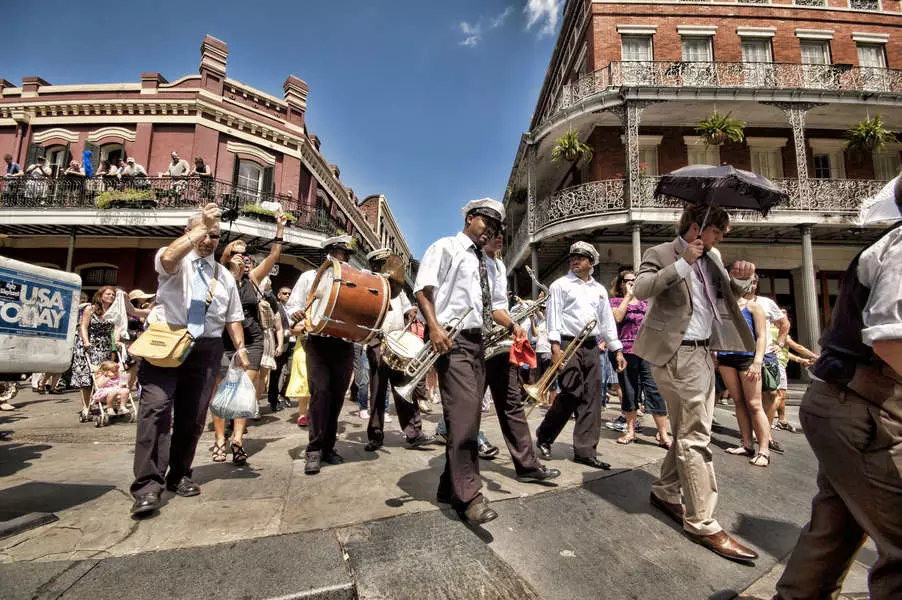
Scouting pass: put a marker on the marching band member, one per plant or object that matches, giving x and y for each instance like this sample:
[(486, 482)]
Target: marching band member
[(576, 299), (452, 278), (330, 362), (382, 377), (507, 393)]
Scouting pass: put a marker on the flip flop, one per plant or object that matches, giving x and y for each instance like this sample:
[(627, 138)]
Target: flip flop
[(740, 451), (626, 439)]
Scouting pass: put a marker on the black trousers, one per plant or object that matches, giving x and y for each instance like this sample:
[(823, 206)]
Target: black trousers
[(580, 384), (503, 378), (275, 377), (381, 376), (461, 377), (330, 365), (173, 399)]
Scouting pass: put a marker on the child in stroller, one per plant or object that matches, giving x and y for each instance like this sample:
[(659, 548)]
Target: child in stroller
[(110, 387)]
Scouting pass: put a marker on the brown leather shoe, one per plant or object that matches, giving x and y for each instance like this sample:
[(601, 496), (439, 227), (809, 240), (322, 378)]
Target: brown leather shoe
[(721, 543), (479, 511), (674, 511)]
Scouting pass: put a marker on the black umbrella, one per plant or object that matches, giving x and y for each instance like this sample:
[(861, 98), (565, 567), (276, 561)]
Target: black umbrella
[(725, 186)]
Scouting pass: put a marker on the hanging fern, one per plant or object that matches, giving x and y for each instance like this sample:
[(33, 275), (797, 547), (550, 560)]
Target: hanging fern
[(869, 135), (719, 128), (569, 148)]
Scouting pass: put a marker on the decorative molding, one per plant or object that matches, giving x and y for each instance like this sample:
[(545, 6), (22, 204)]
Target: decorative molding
[(756, 31), (769, 143), (121, 132), (870, 38), (646, 141), (815, 34), (827, 144), (56, 132), (693, 140), (241, 148), (696, 29), (634, 29)]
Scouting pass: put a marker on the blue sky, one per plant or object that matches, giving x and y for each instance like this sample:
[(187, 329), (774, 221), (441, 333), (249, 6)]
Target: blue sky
[(421, 100)]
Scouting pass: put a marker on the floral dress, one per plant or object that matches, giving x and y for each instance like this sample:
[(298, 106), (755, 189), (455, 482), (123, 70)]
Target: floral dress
[(100, 334)]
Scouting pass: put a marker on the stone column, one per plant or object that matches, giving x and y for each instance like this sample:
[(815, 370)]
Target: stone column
[(811, 328), (637, 246), (534, 252), (71, 253)]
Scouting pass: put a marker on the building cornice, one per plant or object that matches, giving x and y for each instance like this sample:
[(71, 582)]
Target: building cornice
[(56, 132), (121, 132), (251, 150)]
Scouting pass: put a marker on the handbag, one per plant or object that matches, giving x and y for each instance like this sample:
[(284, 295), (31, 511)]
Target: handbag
[(165, 345), (770, 377)]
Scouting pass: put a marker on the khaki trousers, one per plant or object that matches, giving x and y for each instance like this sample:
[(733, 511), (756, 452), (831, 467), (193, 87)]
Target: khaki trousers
[(687, 384), (859, 452)]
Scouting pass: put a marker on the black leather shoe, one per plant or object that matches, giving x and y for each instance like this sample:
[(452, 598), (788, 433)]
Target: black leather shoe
[(333, 458), (544, 450), (276, 408), (146, 504), (443, 497), (479, 511), (312, 465), (487, 451), (424, 440), (538, 475), (185, 488), (373, 445), (592, 461)]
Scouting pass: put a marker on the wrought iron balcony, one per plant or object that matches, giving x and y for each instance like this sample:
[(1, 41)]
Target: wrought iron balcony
[(102, 193), (679, 74), (594, 198)]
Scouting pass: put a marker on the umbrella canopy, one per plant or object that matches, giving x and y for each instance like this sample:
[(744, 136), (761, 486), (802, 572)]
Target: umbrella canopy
[(882, 207), (723, 185)]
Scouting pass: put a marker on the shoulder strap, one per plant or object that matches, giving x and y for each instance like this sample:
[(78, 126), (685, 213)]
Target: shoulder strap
[(212, 288)]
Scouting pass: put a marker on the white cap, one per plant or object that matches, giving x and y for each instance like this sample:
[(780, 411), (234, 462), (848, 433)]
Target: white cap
[(585, 249), (485, 207), (378, 254), (339, 241)]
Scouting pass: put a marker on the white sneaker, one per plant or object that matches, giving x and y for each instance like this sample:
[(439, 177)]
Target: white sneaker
[(365, 414), (111, 412), (124, 410), (7, 406), (388, 418)]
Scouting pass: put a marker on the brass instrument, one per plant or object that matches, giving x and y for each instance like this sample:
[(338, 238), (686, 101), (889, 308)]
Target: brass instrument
[(539, 284), (539, 391), (498, 340), (418, 367)]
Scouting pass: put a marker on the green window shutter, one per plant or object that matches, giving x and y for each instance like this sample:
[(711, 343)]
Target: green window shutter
[(235, 172), (31, 157), (268, 184)]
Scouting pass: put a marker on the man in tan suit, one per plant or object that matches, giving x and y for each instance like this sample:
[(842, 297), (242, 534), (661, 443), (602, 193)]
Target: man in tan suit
[(692, 313)]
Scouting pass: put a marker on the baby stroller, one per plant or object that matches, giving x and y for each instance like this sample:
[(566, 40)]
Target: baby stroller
[(97, 407)]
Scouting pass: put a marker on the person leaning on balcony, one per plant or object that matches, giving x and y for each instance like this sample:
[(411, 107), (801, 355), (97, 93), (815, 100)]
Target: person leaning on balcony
[(134, 174), (10, 178), (12, 168), (852, 417), (205, 173), (193, 292), (35, 176), (179, 169), (682, 327)]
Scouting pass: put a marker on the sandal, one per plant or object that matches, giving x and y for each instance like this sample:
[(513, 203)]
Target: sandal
[(663, 443), (756, 460), (626, 439), (239, 456), (741, 451), (219, 452)]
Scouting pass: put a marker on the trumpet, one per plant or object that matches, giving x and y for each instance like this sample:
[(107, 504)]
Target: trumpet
[(539, 391), (418, 367)]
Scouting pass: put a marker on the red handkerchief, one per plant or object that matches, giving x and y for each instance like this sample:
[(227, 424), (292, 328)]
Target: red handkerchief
[(522, 354)]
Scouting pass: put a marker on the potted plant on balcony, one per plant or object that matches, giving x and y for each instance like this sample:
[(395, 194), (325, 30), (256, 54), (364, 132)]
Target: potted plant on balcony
[(720, 128), (255, 211), (869, 135), (569, 148), (127, 199)]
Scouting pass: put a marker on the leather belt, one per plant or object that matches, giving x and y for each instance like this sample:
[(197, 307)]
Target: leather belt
[(589, 343), (696, 343)]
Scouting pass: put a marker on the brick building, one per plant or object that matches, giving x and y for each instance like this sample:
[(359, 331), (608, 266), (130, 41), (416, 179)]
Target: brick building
[(258, 146), (633, 78)]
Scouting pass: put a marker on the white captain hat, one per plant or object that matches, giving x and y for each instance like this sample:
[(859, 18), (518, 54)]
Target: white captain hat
[(585, 249), (339, 241), (378, 254), (485, 207)]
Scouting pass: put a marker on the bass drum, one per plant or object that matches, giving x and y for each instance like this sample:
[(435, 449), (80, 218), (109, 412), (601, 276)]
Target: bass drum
[(399, 348), (346, 303)]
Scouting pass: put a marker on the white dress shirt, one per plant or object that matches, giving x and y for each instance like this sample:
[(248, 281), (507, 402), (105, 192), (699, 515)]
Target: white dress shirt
[(394, 318), (880, 269), (572, 303), (451, 267), (298, 298), (702, 318), (174, 296)]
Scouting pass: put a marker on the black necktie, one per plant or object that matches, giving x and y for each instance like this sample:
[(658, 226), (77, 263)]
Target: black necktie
[(487, 319)]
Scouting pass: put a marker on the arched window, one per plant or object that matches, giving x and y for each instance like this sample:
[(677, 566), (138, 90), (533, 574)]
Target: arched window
[(96, 275), (57, 158)]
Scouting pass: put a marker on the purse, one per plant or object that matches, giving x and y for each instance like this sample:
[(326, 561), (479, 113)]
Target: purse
[(770, 377), (165, 345)]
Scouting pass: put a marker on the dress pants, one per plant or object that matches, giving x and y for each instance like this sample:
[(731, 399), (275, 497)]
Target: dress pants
[(687, 474), (382, 380), (330, 365), (507, 393), (859, 452), (276, 382), (581, 385), (171, 416), (461, 376)]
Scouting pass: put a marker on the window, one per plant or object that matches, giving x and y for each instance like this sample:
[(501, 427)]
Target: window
[(815, 52), (95, 276), (757, 58), (252, 180), (828, 158), (699, 53), (113, 153), (635, 47), (864, 4), (250, 176), (872, 63), (767, 162), (698, 153), (648, 160), (57, 158), (822, 166), (886, 164), (816, 67)]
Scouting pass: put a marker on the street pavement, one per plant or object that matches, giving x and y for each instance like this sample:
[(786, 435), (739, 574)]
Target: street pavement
[(370, 528)]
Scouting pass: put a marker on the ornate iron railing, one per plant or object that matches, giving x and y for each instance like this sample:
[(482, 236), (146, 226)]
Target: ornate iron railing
[(730, 75), (73, 192), (594, 198), (521, 233)]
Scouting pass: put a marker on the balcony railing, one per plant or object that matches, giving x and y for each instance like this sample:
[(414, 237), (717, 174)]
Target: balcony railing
[(680, 73), (70, 192), (833, 196)]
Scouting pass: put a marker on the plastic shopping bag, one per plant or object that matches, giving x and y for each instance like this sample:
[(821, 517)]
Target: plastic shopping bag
[(235, 397)]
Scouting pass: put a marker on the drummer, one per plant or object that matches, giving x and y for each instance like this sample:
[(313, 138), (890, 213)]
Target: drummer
[(330, 363), (382, 376)]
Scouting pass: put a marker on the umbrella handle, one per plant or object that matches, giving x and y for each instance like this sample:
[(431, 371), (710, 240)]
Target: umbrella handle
[(705, 218)]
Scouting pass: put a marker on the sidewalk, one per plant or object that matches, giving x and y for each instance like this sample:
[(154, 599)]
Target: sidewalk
[(370, 528)]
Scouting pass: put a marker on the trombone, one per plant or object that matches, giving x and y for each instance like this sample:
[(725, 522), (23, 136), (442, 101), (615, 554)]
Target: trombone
[(539, 390)]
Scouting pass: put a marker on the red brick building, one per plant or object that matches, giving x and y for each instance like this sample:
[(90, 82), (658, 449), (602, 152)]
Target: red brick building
[(634, 78), (258, 147)]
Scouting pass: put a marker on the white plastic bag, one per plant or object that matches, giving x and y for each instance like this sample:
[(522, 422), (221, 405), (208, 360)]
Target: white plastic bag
[(235, 397), (117, 315)]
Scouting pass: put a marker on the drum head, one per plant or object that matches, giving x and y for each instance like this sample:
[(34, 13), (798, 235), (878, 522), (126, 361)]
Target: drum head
[(320, 295), (404, 343)]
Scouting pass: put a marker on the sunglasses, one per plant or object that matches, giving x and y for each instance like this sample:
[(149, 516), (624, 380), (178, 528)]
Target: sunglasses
[(213, 236), (629, 280)]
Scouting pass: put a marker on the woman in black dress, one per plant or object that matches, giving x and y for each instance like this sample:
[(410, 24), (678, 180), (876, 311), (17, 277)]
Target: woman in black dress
[(94, 342)]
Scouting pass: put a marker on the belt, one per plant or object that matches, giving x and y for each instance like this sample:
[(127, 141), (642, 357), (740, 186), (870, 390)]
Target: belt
[(589, 343), (473, 332), (696, 343)]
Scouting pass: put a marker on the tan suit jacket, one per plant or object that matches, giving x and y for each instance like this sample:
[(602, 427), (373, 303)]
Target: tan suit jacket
[(670, 306)]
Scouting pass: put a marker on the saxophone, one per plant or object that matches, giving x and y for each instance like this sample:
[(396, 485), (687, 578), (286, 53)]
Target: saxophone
[(498, 339)]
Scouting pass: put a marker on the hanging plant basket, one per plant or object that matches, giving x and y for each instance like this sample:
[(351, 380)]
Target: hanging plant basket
[(869, 135), (569, 148), (719, 129), (145, 199), (255, 211)]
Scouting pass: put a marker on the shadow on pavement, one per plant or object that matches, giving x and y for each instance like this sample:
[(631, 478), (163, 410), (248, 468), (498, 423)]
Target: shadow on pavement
[(771, 535), (40, 496), (16, 457)]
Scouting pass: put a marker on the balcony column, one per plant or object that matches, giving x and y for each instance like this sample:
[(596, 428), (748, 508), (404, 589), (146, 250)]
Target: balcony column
[(531, 188), (630, 115), (534, 254), (637, 246), (795, 113), (71, 253), (811, 329)]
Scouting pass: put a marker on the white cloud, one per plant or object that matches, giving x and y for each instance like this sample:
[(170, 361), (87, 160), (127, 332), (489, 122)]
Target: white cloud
[(545, 12), (473, 33)]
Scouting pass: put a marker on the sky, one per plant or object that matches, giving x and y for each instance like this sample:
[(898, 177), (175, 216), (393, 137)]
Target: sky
[(420, 100)]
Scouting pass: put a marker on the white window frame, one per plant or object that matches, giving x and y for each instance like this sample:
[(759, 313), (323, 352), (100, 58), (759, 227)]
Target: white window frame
[(834, 150), (648, 152), (699, 153), (248, 192), (770, 149), (887, 162), (637, 37), (54, 155)]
